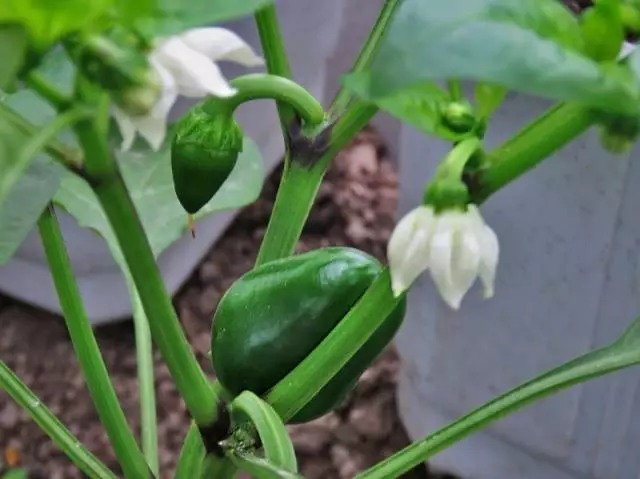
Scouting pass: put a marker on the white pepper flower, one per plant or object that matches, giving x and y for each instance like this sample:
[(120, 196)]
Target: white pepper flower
[(455, 246), (185, 65)]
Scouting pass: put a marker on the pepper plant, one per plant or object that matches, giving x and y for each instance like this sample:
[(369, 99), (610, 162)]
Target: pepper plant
[(86, 91)]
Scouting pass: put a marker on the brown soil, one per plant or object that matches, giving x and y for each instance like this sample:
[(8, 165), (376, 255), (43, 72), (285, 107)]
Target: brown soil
[(355, 206)]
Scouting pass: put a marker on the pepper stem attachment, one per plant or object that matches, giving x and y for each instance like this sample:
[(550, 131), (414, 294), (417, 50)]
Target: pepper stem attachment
[(257, 86), (192, 225), (447, 189)]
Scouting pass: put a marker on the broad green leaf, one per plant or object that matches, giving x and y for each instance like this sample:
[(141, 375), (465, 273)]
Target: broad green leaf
[(24, 204), (11, 141), (175, 16), (273, 434), (622, 353), (13, 48), (149, 181), (49, 20), (261, 468), (488, 98), (528, 45)]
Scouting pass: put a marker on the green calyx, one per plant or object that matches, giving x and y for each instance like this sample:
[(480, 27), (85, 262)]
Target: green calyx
[(274, 316), (204, 151), (447, 189)]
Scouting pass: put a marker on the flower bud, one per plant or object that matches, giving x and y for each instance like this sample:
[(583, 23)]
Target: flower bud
[(204, 152), (459, 117), (117, 62)]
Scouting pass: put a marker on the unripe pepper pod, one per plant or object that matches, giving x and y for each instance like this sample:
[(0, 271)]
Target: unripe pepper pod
[(204, 151)]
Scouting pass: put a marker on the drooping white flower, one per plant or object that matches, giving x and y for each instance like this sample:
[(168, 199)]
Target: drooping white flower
[(455, 246), (185, 65)]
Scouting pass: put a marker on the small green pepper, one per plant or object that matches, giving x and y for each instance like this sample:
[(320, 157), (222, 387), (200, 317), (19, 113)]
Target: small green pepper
[(204, 152), (275, 315)]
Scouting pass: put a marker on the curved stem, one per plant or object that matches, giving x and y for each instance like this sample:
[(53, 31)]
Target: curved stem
[(452, 166), (51, 425), (264, 86), (275, 54), (144, 356), (87, 351), (367, 52)]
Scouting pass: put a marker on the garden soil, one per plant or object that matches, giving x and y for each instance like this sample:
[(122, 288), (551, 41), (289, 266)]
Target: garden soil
[(355, 206)]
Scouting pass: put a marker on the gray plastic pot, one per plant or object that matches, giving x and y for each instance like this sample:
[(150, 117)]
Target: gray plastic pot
[(568, 281), (311, 30)]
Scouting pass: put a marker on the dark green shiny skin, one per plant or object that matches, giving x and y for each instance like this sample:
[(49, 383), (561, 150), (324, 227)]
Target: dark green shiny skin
[(274, 316), (204, 152)]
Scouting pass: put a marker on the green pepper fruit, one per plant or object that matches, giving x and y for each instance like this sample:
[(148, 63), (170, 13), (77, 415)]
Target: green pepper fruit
[(274, 316), (602, 31), (204, 152)]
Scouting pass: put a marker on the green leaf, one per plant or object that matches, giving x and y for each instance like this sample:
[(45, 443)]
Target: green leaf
[(421, 107), (528, 45), (175, 16), (273, 434), (488, 98), (622, 353), (11, 141), (13, 49), (24, 204), (149, 181), (49, 20), (261, 468)]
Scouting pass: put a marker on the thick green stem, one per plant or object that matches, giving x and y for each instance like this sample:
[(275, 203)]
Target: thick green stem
[(144, 356), (52, 427), (367, 52), (534, 143), (297, 388), (166, 330), (293, 202), (264, 86), (299, 186), (275, 54), (87, 351)]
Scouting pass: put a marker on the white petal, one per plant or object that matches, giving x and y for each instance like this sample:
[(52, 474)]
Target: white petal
[(169, 93), (408, 248), (490, 251), (221, 44), (454, 257), (194, 74), (126, 127), (152, 129)]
